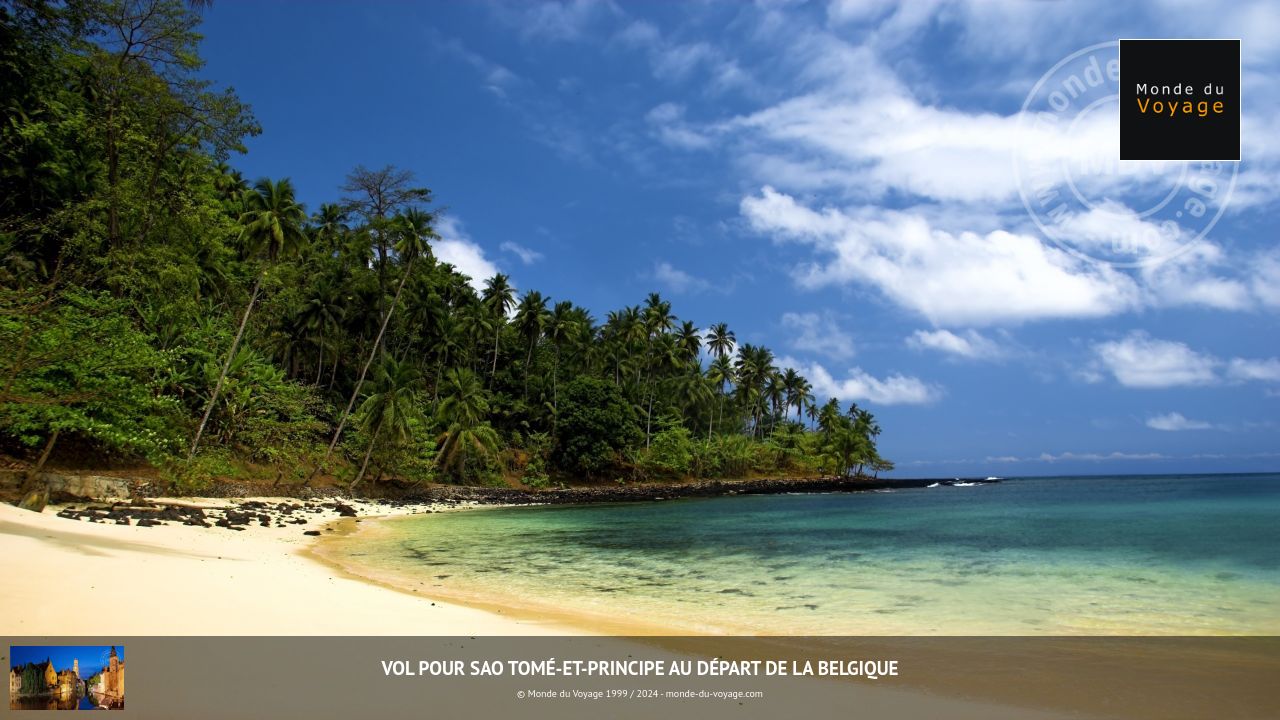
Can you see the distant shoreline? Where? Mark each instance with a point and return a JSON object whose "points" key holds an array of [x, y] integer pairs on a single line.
{"points": [[88, 486]]}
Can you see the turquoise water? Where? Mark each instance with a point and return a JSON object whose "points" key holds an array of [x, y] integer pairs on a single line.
{"points": [[1166, 555]]}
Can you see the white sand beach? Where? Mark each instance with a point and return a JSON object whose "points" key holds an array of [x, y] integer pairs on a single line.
{"points": [[79, 578]]}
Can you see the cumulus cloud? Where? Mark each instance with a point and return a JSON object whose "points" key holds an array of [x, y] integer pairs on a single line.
{"points": [[969, 344], [1174, 421], [819, 334], [1245, 370], [1141, 361], [860, 386], [949, 278], [455, 247]]}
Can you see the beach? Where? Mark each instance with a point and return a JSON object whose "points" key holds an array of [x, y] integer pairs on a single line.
{"points": [[83, 578], [80, 578]]}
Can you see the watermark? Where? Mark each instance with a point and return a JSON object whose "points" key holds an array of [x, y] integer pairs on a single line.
{"points": [[1083, 197]]}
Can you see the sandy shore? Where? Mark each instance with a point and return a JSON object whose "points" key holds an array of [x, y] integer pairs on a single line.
{"points": [[69, 577], [174, 579]]}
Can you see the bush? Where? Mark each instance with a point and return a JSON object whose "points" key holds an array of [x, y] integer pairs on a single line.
{"points": [[671, 451], [595, 426]]}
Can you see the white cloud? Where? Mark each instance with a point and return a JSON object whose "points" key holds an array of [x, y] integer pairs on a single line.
{"points": [[676, 62], [1244, 370], [528, 256], [456, 248], [949, 278], [970, 344], [819, 334], [1174, 421], [1049, 457], [1141, 361], [677, 280], [1265, 280], [496, 78], [667, 121], [859, 386], [559, 20]]}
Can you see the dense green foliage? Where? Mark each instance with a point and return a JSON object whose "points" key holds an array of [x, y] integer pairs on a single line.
{"points": [[154, 305]]}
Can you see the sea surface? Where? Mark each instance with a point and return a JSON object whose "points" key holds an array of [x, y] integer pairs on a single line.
{"points": [[1119, 555]]}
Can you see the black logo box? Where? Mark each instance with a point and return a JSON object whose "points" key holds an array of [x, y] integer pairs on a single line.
{"points": [[1185, 67]]}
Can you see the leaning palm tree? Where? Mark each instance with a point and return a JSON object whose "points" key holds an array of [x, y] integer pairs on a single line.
{"points": [[271, 227], [463, 409], [392, 407], [413, 230]]}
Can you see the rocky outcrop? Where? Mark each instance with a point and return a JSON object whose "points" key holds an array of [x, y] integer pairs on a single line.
{"points": [[65, 487], [94, 487]]}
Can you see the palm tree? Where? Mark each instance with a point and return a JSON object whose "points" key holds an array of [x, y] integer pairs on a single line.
{"points": [[664, 357], [754, 364], [720, 340], [413, 230], [330, 228], [321, 316], [531, 318], [802, 397], [392, 407], [561, 327], [775, 393], [272, 227], [720, 373], [499, 297], [690, 342], [463, 410]]}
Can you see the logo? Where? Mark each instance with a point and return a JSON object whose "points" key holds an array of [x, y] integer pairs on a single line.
{"points": [[1080, 192]]}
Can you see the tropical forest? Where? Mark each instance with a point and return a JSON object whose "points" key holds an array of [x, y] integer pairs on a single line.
{"points": [[159, 309]]}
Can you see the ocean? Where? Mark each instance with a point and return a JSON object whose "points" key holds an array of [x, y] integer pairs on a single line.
{"points": [[1115, 555]]}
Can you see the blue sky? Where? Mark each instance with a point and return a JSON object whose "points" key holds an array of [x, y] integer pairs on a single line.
{"points": [[92, 657], [834, 180]]}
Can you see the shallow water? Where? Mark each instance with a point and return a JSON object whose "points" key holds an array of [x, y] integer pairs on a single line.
{"points": [[1164, 555]]}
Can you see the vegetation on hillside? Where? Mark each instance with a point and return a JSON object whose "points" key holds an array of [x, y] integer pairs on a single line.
{"points": [[155, 305]]}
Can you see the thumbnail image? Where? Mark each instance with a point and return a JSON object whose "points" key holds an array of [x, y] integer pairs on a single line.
{"points": [[66, 677]]}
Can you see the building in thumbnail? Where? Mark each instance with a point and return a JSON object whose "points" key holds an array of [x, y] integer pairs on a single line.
{"points": [[110, 686]]}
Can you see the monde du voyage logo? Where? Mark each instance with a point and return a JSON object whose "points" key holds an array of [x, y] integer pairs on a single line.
{"points": [[1180, 100], [1127, 151]]}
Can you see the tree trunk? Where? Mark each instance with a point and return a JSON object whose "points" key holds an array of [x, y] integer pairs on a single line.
{"points": [[493, 371], [648, 420], [528, 359], [320, 361], [226, 366], [368, 453], [35, 494], [355, 392], [555, 389]]}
